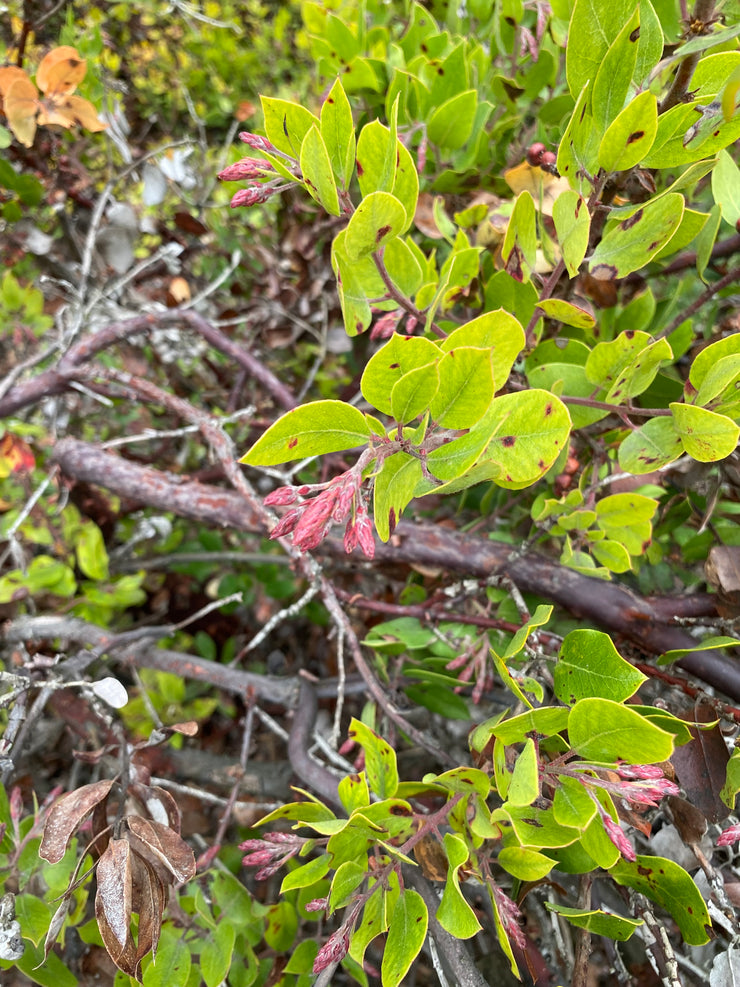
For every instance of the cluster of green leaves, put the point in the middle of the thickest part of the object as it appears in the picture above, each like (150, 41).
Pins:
(69, 562)
(539, 802)
(449, 427)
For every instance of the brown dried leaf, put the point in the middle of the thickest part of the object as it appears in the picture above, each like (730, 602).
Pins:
(161, 845)
(113, 906)
(158, 803)
(722, 570)
(701, 766)
(60, 71)
(55, 925)
(148, 903)
(67, 814)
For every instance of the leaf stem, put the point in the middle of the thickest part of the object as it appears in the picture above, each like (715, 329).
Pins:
(679, 91)
(400, 298)
(731, 276)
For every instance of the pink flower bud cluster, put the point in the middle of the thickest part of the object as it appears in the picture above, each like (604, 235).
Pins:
(271, 852)
(510, 916)
(255, 171)
(334, 949)
(338, 501)
(730, 836)
(643, 784)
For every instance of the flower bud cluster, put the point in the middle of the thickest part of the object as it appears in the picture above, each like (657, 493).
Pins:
(510, 916)
(333, 503)
(334, 949)
(271, 852)
(729, 836)
(255, 171)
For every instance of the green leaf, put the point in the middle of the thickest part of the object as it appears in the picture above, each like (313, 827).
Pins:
(650, 447)
(92, 557)
(597, 922)
(519, 251)
(706, 240)
(216, 953)
(338, 131)
(173, 965)
(379, 218)
(612, 81)
(406, 934)
(376, 159)
(547, 720)
(286, 124)
(534, 828)
(395, 486)
(532, 427)
(632, 243)
(413, 393)
(626, 518)
(525, 864)
(347, 879)
(454, 913)
(384, 369)
(732, 781)
(353, 791)
(451, 124)
(565, 312)
(524, 787)
(630, 137)
(402, 266)
(311, 430)
(465, 387)
(406, 182)
(317, 172)
(594, 26)
(572, 805)
(706, 436)
(612, 554)
(380, 759)
(357, 280)
(282, 922)
(495, 330)
(669, 886)
(605, 731)
(590, 665)
(307, 874)
(572, 225)
(579, 147)
(374, 920)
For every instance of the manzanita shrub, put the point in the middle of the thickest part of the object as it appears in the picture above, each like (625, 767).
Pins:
(507, 180)
(512, 331)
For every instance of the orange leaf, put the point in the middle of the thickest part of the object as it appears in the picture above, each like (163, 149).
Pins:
(21, 105)
(67, 110)
(61, 71)
(542, 186)
(8, 74)
(15, 455)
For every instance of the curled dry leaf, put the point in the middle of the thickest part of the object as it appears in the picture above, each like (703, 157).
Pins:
(158, 803)
(161, 846)
(67, 815)
(113, 905)
(148, 902)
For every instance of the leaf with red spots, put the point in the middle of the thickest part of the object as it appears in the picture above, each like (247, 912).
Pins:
(379, 218)
(630, 137)
(612, 81)
(317, 172)
(497, 331)
(465, 387)
(706, 436)
(380, 760)
(668, 885)
(628, 246)
(357, 280)
(520, 243)
(572, 225)
(539, 425)
(338, 132)
(650, 447)
(399, 356)
(311, 430)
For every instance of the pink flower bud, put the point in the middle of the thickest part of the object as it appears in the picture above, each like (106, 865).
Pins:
(350, 537)
(280, 497)
(259, 858)
(287, 523)
(730, 836)
(640, 771)
(255, 141)
(334, 949)
(262, 875)
(385, 326)
(365, 535)
(251, 196)
(16, 805)
(245, 169)
(618, 837)
(312, 527)
(317, 905)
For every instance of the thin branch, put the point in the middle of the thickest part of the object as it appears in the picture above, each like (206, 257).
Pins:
(728, 279)
(679, 91)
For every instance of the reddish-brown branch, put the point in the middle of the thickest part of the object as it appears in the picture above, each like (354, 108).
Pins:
(607, 604)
